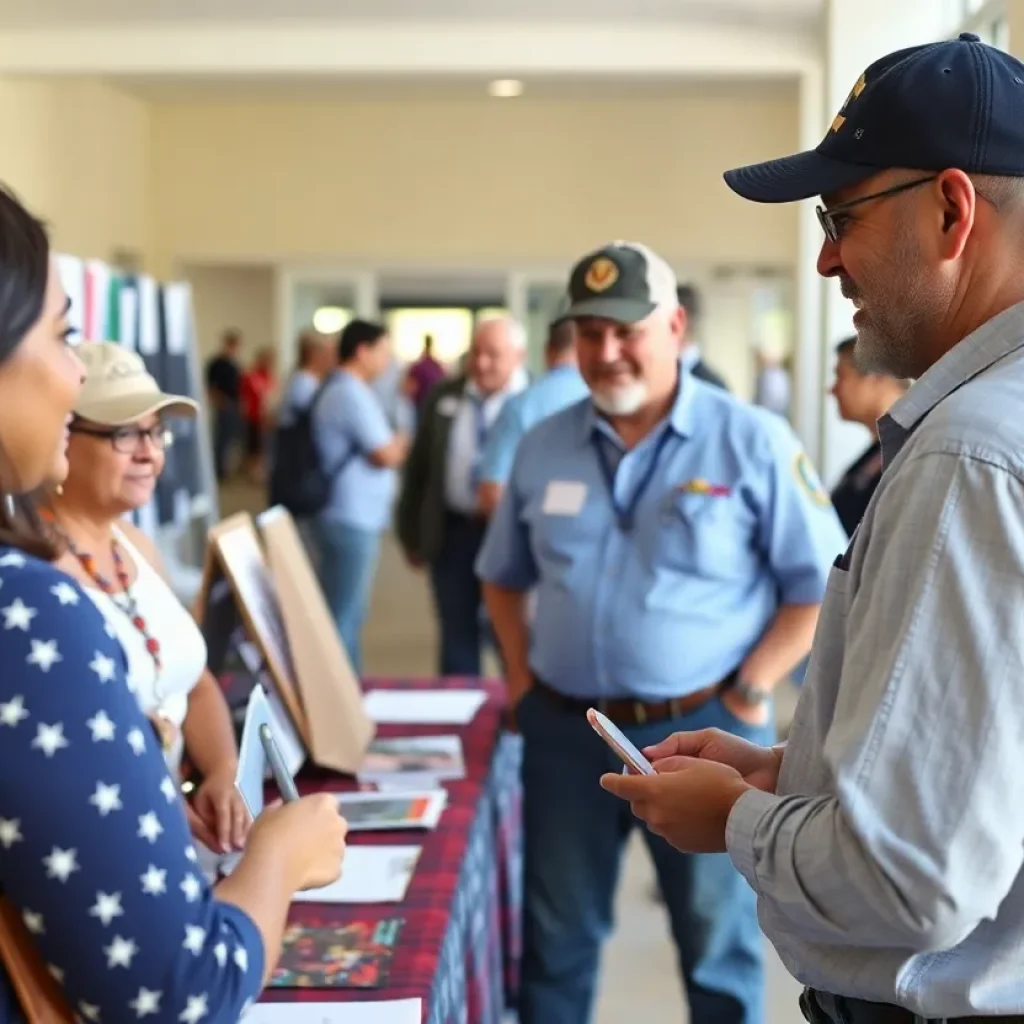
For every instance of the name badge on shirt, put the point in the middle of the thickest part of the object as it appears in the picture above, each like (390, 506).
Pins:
(564, 498)
(448, 406)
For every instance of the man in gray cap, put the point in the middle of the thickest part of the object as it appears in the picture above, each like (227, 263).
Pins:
(884, 841)
(678, 543)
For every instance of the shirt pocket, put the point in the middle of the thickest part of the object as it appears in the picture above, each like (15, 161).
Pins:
(707, 536)
(564, 541)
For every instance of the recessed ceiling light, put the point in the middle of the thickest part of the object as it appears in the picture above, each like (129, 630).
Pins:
(505, 88)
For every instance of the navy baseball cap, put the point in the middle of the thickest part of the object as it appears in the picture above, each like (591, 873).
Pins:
(957, 103)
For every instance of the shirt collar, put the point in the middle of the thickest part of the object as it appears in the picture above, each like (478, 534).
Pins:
(973, 355)
(690, 357)
(680, 417)
(517, 382)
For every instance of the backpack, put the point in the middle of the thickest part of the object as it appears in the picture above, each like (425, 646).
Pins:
(298, 479)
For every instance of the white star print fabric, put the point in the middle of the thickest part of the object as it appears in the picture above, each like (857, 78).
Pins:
(94, 846)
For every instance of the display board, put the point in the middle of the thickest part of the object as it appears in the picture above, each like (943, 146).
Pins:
(340, 729)
(234, 552)
(277, 598)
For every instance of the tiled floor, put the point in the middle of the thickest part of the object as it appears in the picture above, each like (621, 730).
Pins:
(639, 980)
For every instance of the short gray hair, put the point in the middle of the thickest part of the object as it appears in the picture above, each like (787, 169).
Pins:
(1001, 190)
(516, 331)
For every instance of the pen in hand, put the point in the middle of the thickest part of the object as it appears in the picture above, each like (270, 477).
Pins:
(283, 778)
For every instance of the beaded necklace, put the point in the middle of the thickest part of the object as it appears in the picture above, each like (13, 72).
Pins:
(123, 598)
(165, 729)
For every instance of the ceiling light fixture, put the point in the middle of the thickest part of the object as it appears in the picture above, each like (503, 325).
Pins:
(505, 88)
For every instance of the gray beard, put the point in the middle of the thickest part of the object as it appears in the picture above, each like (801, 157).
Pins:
(621, 401)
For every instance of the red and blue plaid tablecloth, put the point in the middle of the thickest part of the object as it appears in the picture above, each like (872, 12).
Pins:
(460, 945)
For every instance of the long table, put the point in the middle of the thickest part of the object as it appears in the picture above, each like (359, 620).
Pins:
(460, 945)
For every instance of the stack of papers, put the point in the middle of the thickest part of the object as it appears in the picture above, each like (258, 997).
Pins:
(423, 707)
(413, 762)
(379, 812)
(369, 874)
(401, 1011)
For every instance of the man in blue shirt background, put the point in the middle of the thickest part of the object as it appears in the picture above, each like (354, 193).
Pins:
(559, 388)
(359, 447)
(679, 544)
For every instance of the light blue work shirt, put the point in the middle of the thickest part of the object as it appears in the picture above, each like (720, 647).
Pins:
(349, 423)
(556, 390)
(733, 524)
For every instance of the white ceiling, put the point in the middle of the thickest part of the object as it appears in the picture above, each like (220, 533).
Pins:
(67, 13)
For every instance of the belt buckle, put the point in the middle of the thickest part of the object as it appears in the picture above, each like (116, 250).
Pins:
(639, 712)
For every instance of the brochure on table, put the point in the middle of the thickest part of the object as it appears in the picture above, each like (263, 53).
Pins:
(386, 812)
(423, 707)
(413, 762)
(400, 1011)
(369, 874)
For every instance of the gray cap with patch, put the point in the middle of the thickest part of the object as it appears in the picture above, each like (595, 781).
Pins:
(622, 281)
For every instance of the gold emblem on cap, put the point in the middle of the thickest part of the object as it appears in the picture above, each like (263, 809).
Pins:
(858, 87)
(601, 274)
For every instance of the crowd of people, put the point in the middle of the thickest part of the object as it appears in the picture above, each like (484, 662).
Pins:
(632, 538)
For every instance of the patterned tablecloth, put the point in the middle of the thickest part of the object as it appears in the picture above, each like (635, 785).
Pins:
(460, 945)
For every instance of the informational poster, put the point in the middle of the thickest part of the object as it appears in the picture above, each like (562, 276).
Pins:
(98, 277)
(234, 550)
(72, 277)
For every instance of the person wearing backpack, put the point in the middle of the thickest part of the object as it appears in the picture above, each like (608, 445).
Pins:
(353, 480)
(316, 359)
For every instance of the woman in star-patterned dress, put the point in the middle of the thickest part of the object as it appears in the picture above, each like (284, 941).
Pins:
(95, 850)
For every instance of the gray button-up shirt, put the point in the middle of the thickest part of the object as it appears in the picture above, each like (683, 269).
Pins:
(888, 864)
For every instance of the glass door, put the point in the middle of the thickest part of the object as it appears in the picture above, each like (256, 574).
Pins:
(535, 298)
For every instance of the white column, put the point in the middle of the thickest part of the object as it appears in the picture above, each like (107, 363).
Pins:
(856, 33)
(1015, 21)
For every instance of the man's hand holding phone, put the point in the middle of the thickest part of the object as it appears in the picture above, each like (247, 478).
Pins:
(759, 766)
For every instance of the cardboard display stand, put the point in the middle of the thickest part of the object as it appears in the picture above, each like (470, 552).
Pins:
(285, 615)
(233, 551)
(340, 730)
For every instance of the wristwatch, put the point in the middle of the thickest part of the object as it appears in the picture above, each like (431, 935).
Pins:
(749, 693)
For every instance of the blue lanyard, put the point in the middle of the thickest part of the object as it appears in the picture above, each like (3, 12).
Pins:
(625, 515)
(481, 425)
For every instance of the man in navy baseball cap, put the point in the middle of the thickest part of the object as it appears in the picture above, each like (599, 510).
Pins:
(883, 841)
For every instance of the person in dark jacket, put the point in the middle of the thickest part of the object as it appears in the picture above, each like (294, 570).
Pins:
(862, 398)
(690, 301)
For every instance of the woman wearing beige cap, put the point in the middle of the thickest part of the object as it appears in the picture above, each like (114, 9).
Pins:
(116, 454)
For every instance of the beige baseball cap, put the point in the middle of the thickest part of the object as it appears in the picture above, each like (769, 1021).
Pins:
(119, 390)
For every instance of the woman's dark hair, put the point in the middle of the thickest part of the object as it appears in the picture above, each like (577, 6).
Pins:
(24, 270)
(355, 335)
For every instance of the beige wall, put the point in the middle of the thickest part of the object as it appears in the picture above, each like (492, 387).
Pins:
(241, 297)
(78, 153)
(461, 182)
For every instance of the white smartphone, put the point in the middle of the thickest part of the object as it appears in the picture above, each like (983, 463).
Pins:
(613, 736)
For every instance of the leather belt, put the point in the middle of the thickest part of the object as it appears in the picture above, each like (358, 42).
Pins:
(824, 1008)
(624, 711)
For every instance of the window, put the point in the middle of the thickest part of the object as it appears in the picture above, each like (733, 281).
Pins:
(1001, 32)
